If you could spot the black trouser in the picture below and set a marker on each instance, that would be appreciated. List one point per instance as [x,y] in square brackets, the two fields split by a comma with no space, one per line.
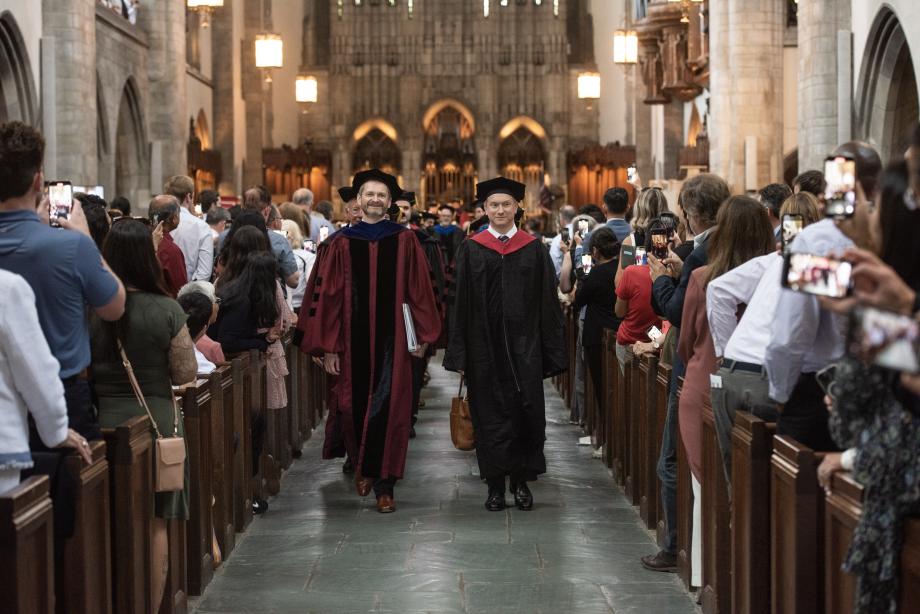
[804,417]
[418,374]
[384,486]
[594,355]
[81,411]
[257,433]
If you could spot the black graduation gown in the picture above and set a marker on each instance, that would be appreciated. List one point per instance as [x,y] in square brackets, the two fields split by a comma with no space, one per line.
[507,335]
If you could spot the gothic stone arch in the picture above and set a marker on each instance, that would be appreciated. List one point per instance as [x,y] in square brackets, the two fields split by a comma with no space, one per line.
[132,171]
[449,152]
[887,96]
[522,155]
[375,147]
[17,87]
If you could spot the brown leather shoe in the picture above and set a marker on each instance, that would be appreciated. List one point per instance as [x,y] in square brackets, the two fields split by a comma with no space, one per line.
[385,504]
[662,561]
[363,485]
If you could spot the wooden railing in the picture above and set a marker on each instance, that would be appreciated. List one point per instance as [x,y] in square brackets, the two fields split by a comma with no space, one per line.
[105,565]
[773,542]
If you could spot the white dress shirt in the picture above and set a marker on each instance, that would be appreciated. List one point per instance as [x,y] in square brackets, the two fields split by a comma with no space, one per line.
[29,382]
[508,234]
[804,338]
[555,253]
[756,283]
[195,240]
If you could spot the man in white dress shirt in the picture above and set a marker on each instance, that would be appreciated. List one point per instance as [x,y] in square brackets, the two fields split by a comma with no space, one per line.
[742,344]
[193,235]
[806,338]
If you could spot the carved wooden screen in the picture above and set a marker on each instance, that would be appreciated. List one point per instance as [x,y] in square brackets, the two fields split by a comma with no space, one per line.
[449,160]
[521,157]
[376,150]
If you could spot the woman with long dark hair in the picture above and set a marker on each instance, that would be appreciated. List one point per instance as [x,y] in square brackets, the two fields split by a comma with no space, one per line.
[161,352]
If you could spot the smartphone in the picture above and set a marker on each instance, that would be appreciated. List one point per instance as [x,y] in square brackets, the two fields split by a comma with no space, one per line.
[586,263]
[660,243]
[884,338]
[840,194]
[60,199]
[641,256]
[825,378]
[654,334]
[582,228]
[631,173]
[323,233]
[564,236]
[817,275]
[793,223]
[310,246]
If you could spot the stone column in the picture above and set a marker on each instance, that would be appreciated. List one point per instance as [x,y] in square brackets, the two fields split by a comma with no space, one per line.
[168,108]
[673,138]
[253,95]
[72,25]
[747,89]
[818,24]
[224,45]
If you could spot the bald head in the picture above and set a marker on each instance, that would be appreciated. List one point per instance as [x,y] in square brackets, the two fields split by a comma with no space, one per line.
[302,197]
[164,208]
[567,213]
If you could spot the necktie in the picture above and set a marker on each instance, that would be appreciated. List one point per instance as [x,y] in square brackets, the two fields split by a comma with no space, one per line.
[503,238]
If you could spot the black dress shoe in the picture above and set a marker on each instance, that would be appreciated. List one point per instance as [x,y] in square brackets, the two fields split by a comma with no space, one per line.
[496,501]
[523,498]
[412,432]
[259,506]
[348,466]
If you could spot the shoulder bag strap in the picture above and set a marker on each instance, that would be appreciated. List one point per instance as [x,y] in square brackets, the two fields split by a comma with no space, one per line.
[140,395]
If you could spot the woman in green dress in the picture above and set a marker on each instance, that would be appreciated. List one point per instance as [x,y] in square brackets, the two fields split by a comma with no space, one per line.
[161,351]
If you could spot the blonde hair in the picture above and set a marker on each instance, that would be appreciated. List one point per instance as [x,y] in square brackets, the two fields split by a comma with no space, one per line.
[295,237]
[290,211]
[651,203]
[179,186]
[804,204]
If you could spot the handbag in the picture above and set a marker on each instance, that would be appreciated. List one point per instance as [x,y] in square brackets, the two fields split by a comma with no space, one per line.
[169,465]
[461,425]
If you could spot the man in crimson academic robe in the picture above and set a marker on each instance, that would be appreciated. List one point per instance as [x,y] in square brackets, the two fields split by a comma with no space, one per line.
[362,278]
[405,202]
[506,336]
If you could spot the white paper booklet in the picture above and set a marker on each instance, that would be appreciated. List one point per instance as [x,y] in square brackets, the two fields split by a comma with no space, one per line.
[411,340]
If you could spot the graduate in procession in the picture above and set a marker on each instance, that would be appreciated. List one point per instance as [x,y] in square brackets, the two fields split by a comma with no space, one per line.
[370,279]
[405,204]
[506,336]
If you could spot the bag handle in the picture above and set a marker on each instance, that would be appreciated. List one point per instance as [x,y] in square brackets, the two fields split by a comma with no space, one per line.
[138,393]
[460,390]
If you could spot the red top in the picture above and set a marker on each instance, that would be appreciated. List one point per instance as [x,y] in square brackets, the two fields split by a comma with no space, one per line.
[636,287]
[173,263]
[211,350]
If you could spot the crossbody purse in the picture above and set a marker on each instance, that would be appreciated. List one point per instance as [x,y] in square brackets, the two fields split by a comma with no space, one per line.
[169,466]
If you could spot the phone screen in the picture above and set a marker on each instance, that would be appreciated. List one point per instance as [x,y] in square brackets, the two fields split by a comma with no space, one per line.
[310,246]
[564,235]
[631,173]
[792,225]
[582,228]
[840,194]
[586,263]
[818,275]
[660,244]
[641,256]
[60,200]
[653,333]
[887,339]
[323,233]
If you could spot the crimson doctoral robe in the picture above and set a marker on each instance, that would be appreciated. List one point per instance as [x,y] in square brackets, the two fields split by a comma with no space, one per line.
[353,308]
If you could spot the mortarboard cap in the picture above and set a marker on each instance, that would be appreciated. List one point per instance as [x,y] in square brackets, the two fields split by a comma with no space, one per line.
[499,185]
[375,174]
[409,197]
[476,225]
[347,193]
[428,216]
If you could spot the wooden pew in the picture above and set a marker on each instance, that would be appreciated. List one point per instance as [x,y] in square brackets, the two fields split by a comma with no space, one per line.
[650,432]
[634,418]
[591,410]
[27,548]
[796,528]
[226,395]
[662,383]
[274,424]
[620,423]
[716,594]
[84,566]
[909,599]
[842,509]
[175,594]
[129,450]
[196,408]
[246,384]
[297,433]
[752,447]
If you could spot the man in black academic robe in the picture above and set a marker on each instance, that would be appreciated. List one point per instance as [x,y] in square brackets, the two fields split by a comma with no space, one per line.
[506,336]
[405,203]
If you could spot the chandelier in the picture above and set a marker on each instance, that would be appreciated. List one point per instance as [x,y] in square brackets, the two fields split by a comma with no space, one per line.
[685,8]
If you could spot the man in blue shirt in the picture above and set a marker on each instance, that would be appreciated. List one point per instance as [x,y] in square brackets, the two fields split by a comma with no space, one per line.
[616,202]
[62,265]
